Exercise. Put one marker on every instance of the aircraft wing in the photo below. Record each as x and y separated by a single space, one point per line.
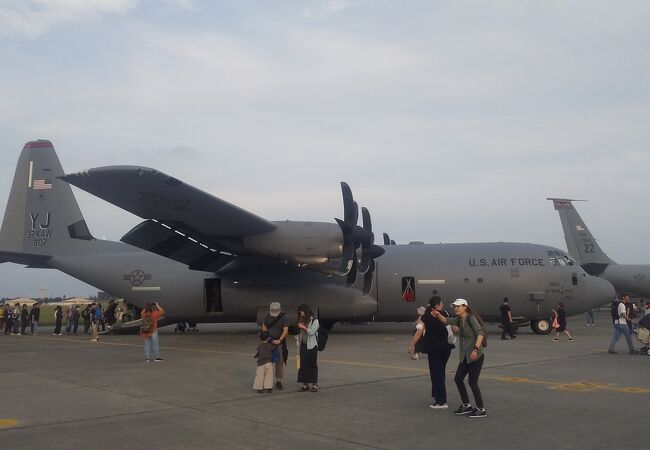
183 223
151 194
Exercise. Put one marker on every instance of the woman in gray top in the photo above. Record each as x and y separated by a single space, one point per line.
471 355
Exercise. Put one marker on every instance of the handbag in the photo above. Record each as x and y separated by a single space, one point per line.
555 323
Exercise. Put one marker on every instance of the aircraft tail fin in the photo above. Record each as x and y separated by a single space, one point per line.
42 218
581 244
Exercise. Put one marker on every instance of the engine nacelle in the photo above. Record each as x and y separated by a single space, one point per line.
312 244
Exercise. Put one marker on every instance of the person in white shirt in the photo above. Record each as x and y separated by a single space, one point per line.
621 327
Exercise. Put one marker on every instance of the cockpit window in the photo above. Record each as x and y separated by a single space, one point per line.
560 259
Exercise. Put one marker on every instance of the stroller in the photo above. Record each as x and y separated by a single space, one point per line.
643 334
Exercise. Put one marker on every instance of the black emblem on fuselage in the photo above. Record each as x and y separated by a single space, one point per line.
137 277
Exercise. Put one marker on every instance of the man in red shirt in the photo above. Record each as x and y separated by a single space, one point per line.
149 330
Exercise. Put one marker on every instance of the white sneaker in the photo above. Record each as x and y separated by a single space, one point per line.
438 406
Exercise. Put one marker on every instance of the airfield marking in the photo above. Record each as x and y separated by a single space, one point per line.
4 423
578 386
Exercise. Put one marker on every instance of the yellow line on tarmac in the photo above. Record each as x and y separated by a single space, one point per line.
576 386
5 423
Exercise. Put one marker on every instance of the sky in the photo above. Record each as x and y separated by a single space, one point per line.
452 121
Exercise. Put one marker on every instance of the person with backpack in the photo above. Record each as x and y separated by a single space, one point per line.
149 330
436 341
277 325
471 348
308 371
620 318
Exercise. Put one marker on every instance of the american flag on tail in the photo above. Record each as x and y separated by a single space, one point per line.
41 185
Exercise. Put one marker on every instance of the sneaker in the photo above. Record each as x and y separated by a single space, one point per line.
279 386
464 409
634 352
438 406
478 412
147 360
95 340
260 391
571 340
158 359
269 391
612 351
514 337
555 339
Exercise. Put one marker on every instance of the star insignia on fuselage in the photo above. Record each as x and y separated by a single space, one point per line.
137 277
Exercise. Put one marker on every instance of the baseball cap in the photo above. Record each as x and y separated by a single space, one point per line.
460 301
274 309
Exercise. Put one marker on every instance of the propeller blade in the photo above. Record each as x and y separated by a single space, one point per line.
365 217
368 278
355 216
386 239
352 274
348 205
347 260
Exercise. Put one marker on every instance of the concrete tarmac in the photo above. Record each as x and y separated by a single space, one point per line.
64 392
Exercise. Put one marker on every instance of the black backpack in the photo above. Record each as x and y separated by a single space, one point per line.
614 310
321 338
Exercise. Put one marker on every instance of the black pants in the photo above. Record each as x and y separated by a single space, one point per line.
308 372
437 363
474 370
57 328
8 325
86 325
507 329
75 326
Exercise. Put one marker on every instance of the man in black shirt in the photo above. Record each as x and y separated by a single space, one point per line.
506 320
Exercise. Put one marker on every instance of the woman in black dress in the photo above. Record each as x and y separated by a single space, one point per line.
560 316
308 372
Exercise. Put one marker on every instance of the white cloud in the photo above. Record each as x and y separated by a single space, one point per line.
32 18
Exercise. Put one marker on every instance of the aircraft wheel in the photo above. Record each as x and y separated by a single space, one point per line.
542 326
327 324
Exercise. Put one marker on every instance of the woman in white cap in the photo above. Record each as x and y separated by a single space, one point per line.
471 355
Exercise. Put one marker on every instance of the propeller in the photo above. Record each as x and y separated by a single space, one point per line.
354 238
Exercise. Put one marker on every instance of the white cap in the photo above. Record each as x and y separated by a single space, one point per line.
460 301
421 310
274 309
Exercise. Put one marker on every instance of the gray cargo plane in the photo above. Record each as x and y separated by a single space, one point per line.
207 260
581 244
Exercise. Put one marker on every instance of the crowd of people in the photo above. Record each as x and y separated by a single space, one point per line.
434 335
17 319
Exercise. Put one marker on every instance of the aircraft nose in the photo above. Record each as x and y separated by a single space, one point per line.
599 292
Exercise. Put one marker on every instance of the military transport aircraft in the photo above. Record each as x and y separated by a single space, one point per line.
207 260
626 278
